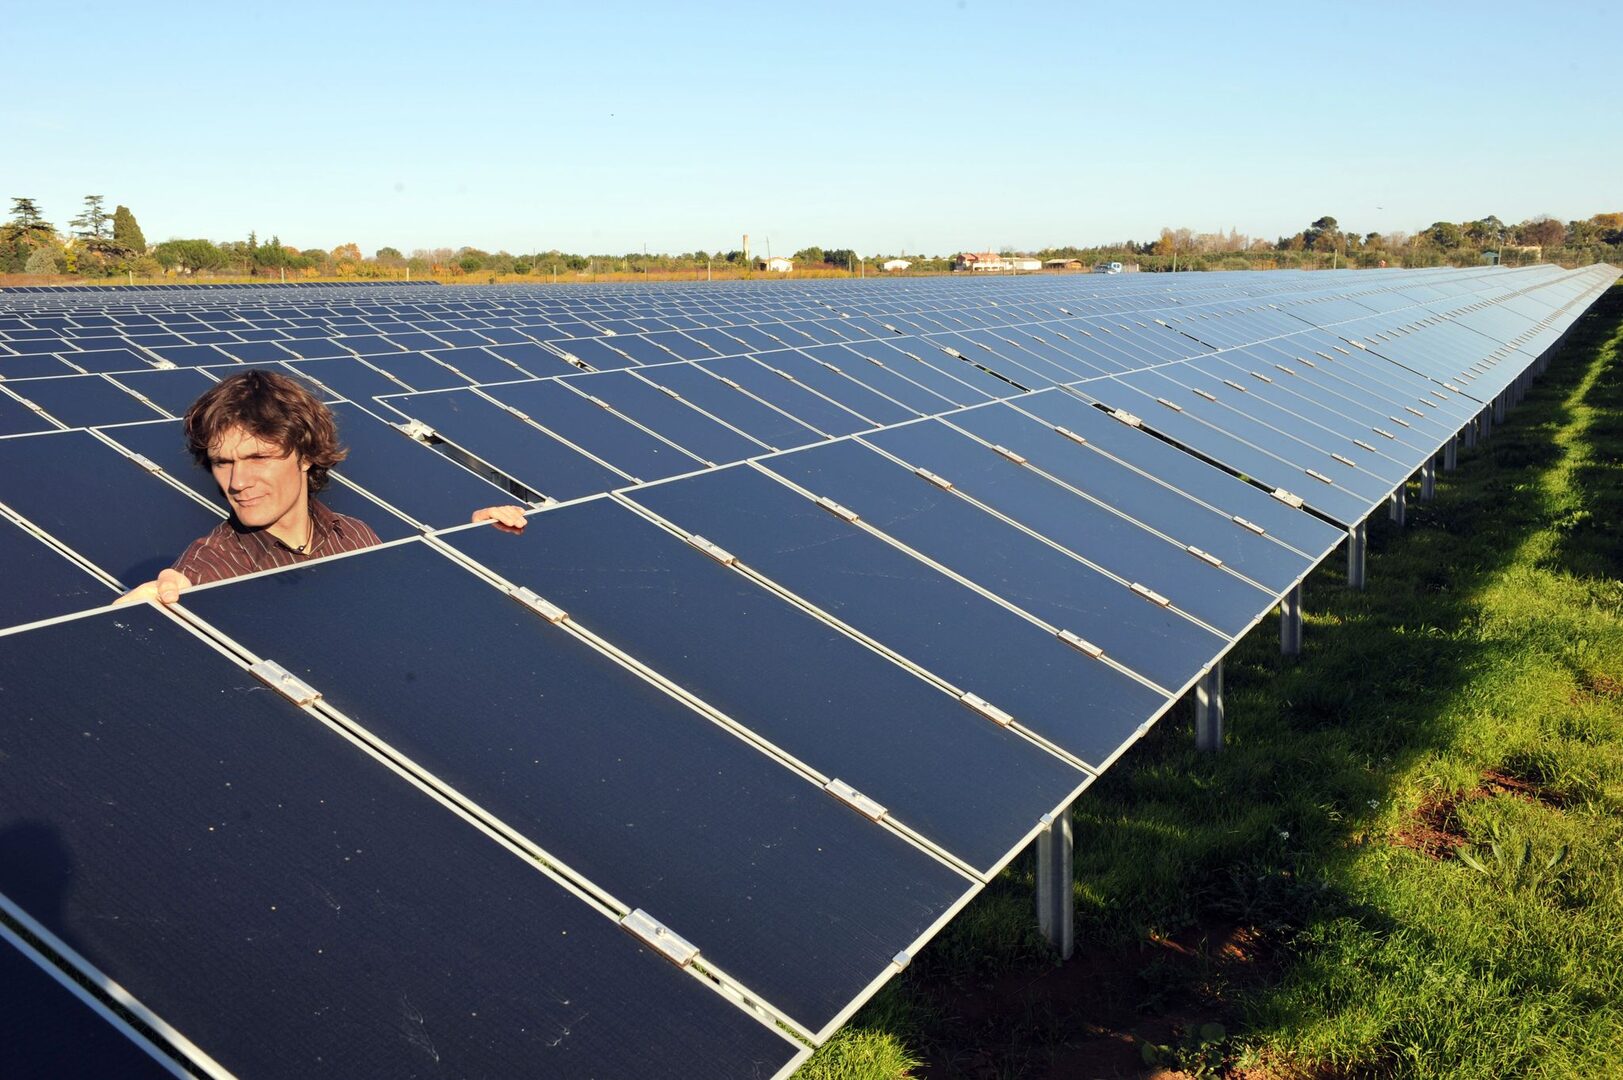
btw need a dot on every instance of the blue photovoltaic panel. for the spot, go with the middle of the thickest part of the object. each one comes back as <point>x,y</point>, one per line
<point>255,352</point>
<point>596,430</point>
<point>84,400</point>
<point>768,383</point>
<point>1232,451</point>
<point>172,391</point>
<point>789,891</point>
<point>1156,458</point>
<point>755,418</point>
<point>1096,532</point>
<point>32,366</point>
<point>1142,497</point>
<point>943,626</point>
<point>533,358</point>
<point>910,395</point>
<point>513,446</point>
<point>136,525</point>
<point>833,383</point>
<point>478,365</point>
<point>117,358</point>
<point>909,365</point>
<point>1050,584</point>
<point>17,418</point>
<point>348,377</point>
<point>595,352</point>
<point>418,371</point>
<point>40,582</point>
<point>675,419</point>
<point>799,684</point>
<point>133,757</point>
<point>49,1029</point>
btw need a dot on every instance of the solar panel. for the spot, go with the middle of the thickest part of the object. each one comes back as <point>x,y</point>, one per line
<point>731,404</point>
<point>509,443</point>
<point>1241,545</point>
<point>596,429</point>
<point>83,400</point>
<point>99,503</point>
<point>41,583</point>
<point>682,423</point>
<point>1090,598</point>
<point>51,1027</point>
<point>793,681</point>
<point>656,805</point>
<point>757,376</point>
<point>948,629</point>
<point>418,371</point>
<point>630,703</point>
<point>340,922</point>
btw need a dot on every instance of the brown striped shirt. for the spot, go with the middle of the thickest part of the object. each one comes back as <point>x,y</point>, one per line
<point>228,549</point>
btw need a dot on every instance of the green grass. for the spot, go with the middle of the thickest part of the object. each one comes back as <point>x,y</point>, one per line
<point>1471,697</point>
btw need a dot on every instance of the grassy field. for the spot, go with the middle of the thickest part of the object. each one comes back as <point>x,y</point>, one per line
<point>1406,861</point>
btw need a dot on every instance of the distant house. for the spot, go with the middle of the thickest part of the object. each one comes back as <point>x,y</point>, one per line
<point>776,265</point>
<point>1022,263</point>
<point>984,261</point>
<point>895,265</point>
<point>1062,264</point>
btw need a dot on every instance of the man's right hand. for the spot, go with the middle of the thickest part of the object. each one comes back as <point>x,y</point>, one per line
<point>165,590</point>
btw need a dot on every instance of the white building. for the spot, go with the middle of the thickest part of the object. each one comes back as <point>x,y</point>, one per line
<point>895,265</point>
<point>1023,263</point>
<point>981,261</point>
<point>777,265</point>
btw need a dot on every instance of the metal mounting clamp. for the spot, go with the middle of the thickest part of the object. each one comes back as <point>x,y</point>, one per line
<point>987,709</point>
<point>538,604</point>
<point>661,938</point>
<point>284,682</point>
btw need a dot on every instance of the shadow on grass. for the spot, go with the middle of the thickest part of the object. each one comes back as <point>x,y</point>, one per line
<point>1200,877</point>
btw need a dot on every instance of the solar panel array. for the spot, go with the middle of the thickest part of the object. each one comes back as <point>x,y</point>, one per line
<point>834,596</point>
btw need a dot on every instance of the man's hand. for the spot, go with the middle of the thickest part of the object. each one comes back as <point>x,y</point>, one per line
<point>507,518</point>
<point>165,590</point>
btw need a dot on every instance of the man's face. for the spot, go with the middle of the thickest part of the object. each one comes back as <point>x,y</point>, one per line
<point>261,481</point>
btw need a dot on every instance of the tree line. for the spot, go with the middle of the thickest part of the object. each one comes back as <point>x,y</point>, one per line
<point>98,244</point>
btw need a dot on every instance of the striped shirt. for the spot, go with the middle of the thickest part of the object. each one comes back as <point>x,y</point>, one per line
<point>228,550</point>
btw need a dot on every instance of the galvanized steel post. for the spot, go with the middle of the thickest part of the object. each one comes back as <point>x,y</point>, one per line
<point>1209,709</point>
<point>1398,504</point>
<point>1056,898</point>
<point>1290,622</point>
<point>1357,542</point>
<point>1428,480</point>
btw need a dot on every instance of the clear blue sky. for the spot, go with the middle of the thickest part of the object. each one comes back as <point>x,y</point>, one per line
<point>882,126</point>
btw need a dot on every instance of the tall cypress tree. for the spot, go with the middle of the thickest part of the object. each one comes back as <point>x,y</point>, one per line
<point>127,232</point>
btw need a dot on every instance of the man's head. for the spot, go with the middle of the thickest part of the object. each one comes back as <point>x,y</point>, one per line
<point>268,441</point>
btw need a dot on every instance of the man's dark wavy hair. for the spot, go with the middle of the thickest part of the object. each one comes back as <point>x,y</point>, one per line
<point>276,408</point>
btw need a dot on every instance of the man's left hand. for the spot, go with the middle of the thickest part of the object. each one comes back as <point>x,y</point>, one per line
<point>507,518</point>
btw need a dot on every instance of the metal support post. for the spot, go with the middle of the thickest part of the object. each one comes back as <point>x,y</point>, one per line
<point>1499,408</point>
<point>1290,622</point>
<point>1056,897</point>
<point>1428,480</point>
<point>1484,422</point>
<point>1357,542</point>
<point>1451,455</point>
<point>1209,709</point>
<point>1398,504</point>
<point>1470,433</point>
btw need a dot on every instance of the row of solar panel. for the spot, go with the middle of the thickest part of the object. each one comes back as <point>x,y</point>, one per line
<point>818,617</point>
